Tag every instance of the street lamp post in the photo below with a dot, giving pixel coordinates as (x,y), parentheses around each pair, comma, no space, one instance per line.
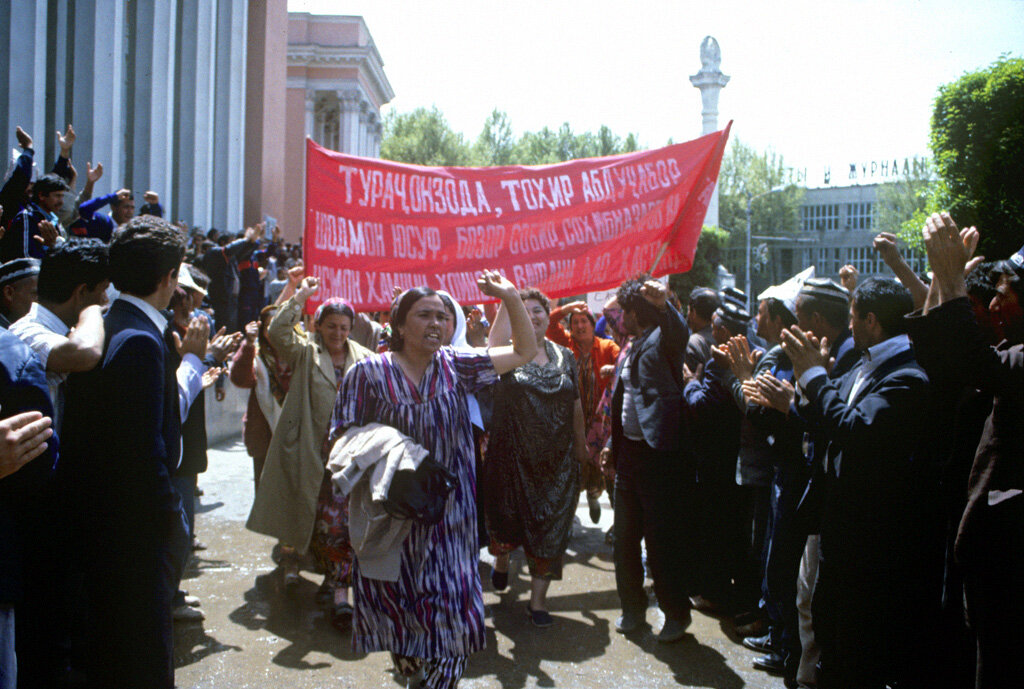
(750,201)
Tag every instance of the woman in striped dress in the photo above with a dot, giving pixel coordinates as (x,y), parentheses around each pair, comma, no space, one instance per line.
(432,618)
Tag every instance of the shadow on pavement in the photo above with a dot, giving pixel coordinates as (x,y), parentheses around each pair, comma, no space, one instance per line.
(292,615)
(691,663)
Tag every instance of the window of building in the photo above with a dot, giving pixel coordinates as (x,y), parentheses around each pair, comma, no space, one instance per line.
(820,217)
(860,216)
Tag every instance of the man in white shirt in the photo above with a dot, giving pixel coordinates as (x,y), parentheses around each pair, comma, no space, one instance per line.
(65,327)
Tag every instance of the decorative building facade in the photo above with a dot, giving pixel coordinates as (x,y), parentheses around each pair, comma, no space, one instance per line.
(335,88)
(206,102)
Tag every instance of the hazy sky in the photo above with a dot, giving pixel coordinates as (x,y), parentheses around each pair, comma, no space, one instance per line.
(822,82)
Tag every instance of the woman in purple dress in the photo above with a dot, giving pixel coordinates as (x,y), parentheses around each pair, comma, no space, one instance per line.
(432,617)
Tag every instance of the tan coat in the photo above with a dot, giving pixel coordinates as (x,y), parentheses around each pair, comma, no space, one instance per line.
(285,504)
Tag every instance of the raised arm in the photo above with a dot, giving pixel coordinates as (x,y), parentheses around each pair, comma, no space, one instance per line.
(885,245)
(281,331)
(524,344)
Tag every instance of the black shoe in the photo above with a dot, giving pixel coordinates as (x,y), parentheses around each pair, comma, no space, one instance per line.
(540,618)
(773,664)
(629,622)
(761,644)
(499,580)
(674,629)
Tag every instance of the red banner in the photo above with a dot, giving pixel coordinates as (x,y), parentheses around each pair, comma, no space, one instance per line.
(567,229)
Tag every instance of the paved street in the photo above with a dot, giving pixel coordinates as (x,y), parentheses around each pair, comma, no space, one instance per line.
(257,635)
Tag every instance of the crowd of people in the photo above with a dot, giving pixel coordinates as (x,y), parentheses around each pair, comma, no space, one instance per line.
(837,476)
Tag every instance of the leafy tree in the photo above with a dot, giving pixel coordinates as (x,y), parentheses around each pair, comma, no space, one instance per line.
(496,144)
(977,140)
(902,206)
(423,137)
(711,249)
(746,171)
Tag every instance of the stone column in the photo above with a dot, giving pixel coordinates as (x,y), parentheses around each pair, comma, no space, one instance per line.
(150,101)
(350,111)
(23,56)
(195,113)
(98,103)
(710,81)
(310,113)
(229,123)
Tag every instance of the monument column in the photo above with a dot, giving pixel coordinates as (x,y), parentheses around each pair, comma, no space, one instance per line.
(710,81)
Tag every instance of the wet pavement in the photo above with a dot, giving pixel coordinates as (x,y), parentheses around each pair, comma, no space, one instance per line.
(257,634)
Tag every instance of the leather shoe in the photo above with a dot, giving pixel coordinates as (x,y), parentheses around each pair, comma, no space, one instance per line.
(628,622)
(761,644)
(772,663)
(756,628)
(595,508)
(674,629)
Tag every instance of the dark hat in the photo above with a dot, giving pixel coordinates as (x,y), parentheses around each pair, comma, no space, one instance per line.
(735,317)
(826,290)
(1014,265)
(17,269)
(737,297)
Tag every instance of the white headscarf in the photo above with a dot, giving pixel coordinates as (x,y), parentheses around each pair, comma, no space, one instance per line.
(460,344)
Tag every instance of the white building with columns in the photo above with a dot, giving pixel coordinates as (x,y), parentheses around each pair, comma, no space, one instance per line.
(336,87)
(154,88)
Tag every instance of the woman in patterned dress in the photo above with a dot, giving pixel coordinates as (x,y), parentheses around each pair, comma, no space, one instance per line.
(536,449)
(432,618)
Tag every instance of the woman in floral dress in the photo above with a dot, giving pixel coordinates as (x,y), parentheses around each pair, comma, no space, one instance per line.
(432,618)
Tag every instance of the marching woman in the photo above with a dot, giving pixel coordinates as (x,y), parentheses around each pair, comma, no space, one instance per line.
(536,448)
(432,617)
(294,500)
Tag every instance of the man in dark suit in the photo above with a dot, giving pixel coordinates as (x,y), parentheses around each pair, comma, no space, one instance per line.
(990,540)
(123,424)
(655,478)
(879,528)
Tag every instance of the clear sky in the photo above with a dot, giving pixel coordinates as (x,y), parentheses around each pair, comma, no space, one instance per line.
(824,83)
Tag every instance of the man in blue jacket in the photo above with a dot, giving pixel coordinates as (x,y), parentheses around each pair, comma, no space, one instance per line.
(27,455)
(123,424)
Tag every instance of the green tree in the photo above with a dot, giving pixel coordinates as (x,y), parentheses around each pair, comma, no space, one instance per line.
(711,248)
(902,206)
(496,144)
(977,140)
(746,171)
(423,137)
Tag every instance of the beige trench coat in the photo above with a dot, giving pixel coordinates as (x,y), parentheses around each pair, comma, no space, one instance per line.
(285,504)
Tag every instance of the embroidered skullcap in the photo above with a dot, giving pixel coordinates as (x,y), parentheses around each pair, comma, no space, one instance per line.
(737,297)
(1014,265)
(734,317)
(17,269)
(826,290)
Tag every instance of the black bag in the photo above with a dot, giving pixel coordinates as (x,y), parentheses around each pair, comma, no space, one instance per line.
(420,495)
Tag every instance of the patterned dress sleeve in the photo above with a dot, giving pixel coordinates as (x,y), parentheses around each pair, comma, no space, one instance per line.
(473,370)
(355,403)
